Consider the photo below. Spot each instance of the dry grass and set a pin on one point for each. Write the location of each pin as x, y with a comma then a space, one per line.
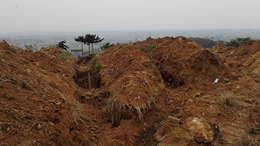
252, 137
228, 101
77, 115
115, 108
237, 104
251, 140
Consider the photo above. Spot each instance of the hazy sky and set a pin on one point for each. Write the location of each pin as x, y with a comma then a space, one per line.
71, 15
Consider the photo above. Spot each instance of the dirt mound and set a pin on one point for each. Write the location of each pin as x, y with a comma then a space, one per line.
154, 92
132, 80
244, 59
38, 106
181, 61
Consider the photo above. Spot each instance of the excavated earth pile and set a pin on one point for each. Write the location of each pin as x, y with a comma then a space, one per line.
167, 91
37, 100
132, 80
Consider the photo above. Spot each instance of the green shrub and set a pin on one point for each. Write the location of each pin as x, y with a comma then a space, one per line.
12, 115
63, 55
23, 84
106, 46
31, 47
152, 47
97, 66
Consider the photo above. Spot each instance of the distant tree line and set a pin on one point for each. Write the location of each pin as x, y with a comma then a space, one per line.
205, 42
238, 41
209, 43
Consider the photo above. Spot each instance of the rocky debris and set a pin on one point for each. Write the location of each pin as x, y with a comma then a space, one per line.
200, 129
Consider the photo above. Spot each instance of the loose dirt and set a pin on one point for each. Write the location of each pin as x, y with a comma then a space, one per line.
155, 92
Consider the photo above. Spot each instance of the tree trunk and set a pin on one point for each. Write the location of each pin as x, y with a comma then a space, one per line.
82, 49
92, 48
88, 49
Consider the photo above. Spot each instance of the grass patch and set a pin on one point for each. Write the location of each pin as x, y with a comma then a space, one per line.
63, 56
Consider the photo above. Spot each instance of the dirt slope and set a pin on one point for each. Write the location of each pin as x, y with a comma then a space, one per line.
38, 102
154, 92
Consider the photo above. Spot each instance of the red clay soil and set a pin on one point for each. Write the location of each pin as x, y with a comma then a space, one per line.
155, 92
38, 102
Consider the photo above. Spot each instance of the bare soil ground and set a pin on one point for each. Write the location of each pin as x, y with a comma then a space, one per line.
155, 92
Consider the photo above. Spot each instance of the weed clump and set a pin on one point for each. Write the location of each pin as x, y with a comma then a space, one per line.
97, 66
63, 56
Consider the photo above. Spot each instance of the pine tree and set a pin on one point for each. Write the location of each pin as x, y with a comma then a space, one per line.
62, 45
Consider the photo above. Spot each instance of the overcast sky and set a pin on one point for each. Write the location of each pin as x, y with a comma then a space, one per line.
77, 15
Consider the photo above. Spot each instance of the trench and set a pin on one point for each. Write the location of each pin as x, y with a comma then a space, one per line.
171, 80
81, 78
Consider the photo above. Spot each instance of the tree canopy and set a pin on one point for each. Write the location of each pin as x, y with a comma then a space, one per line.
106, 46
89, 39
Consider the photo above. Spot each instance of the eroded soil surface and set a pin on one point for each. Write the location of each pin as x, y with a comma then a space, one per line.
156, 92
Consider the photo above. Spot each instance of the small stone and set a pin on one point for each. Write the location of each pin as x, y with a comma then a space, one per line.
174, 119
136, 135
8, 129
189, 102
39, 126
58, 103
28, 70
146, 125
88, 94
